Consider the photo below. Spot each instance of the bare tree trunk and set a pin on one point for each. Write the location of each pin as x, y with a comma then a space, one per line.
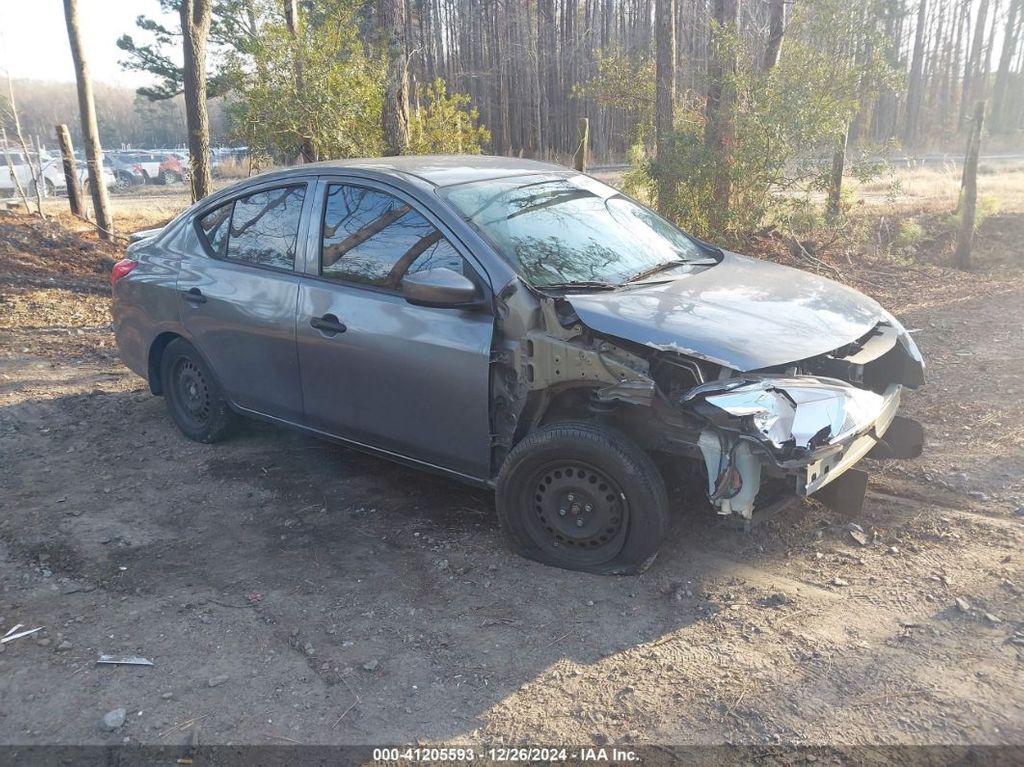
579, 160
307, 149
665, 65
973, 63
1000, 123
989, 46
776, 28
969, 191
34, 166
915, 90
720, 128
90, 133
195, 27
835, 186
10, 169
395, 116
67, 155
548, 33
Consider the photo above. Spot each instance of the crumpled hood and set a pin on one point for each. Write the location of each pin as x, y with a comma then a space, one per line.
744, 313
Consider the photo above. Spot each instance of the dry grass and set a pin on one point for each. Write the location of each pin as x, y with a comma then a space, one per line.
937, 187
233, 168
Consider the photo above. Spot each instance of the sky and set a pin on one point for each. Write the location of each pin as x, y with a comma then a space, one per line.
34, 38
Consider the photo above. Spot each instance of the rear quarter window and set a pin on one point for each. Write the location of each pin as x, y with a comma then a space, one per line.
214, 226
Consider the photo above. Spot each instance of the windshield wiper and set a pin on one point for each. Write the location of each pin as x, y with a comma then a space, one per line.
578, 285
666, 265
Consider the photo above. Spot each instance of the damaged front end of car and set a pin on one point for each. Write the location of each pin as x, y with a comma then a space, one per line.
763, 437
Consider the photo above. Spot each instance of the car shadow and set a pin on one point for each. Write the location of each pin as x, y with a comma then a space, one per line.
399, 579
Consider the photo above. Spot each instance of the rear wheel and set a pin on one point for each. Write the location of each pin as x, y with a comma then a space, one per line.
195, 399
583, 496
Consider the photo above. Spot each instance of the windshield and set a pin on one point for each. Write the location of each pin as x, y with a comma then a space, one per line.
563, 230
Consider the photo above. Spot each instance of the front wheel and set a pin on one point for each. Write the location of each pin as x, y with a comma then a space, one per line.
583, 496
194, 397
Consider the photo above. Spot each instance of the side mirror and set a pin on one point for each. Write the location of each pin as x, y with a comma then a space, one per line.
440, 287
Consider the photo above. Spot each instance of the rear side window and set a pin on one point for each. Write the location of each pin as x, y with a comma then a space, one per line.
265, 227
373, 238
260, 229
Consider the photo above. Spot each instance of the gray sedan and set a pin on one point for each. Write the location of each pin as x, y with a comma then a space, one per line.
520, 326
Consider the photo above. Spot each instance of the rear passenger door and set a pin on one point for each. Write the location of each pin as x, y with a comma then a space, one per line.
376, 369
237, 300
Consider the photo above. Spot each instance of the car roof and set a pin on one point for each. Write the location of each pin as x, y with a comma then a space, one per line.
440, 170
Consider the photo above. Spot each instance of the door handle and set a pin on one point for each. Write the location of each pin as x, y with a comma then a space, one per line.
194, 296
328, 324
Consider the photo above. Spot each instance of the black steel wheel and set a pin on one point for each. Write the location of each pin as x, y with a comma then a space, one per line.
194, 398
583, 496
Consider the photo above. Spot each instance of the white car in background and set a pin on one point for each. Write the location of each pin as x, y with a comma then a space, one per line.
109, 179
50, 171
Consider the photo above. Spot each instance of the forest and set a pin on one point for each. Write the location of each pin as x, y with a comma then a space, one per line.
718, 106
533, 67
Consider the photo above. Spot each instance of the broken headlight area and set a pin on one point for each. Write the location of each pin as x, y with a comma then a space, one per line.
807, 428
885, 355
790, 414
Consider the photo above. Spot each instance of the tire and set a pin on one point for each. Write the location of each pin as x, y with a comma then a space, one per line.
195, 399
583, 496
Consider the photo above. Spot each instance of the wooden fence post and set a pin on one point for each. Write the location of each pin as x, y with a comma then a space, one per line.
67, 155
579, 160
969, 191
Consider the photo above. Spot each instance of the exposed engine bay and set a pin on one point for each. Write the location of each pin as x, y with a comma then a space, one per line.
802, 425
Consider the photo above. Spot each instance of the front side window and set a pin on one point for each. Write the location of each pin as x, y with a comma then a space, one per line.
556, 229
373, 238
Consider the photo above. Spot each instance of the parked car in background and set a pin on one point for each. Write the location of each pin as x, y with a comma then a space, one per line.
126, 174
155, 166
51, 174
172, 169
147, 163
82, 168
519, 326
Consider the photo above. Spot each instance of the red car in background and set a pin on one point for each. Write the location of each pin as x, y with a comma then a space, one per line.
172, 169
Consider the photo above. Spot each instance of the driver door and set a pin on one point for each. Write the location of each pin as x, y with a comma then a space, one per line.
375, 369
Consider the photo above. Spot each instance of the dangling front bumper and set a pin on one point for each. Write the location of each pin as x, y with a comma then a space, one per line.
808, 430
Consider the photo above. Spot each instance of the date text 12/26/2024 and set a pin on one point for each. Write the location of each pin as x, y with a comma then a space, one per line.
530, 754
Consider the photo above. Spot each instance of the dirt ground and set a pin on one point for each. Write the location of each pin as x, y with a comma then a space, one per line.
287, 590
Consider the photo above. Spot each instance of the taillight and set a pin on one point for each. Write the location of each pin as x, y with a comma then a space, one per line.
121, 268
